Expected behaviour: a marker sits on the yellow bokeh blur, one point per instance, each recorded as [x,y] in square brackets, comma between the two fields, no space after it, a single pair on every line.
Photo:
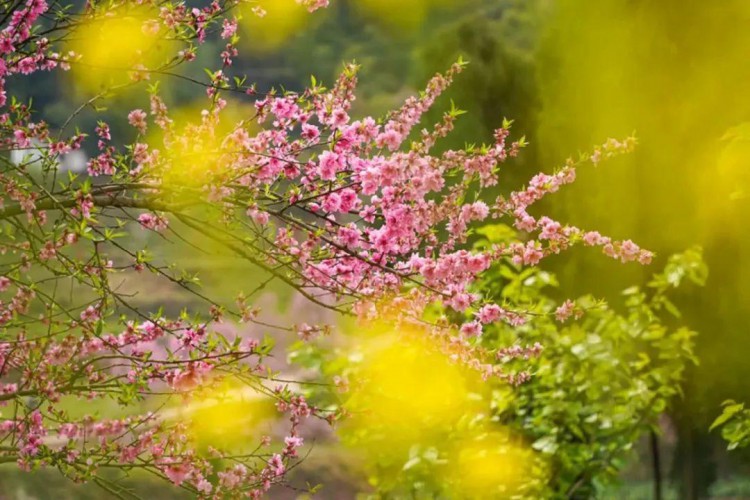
[230,415]
[113,45]
[729,183]
[406,386]
[267,24]
[197,148]
[674,76]
[491,464]
[412,406]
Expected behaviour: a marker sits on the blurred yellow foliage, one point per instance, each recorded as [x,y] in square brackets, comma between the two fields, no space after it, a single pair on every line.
[676,75]
[414,407]
[267,24]
[491,465]
[113,45]
[226,415]
[407,386]
[196,147]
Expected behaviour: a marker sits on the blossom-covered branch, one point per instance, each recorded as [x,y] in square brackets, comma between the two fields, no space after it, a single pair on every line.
[357,215]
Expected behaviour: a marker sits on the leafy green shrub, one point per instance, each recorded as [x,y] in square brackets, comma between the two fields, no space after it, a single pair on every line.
[735,424]
[602,380]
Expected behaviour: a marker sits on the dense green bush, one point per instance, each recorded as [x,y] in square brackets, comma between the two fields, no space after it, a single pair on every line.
[602,380]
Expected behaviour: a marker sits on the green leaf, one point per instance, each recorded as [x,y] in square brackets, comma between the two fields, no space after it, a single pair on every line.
[546,444]
[729,412]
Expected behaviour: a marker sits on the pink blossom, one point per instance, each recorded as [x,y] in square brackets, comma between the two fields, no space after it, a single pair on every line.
[471,329]
[489,313]
[259,216]
[178,473]
[27,65]
[276,465]
[329,163]
[313,5]
[564,312]
[332,203]
[137,118]
[153,222]
[310,132]
[228,28]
